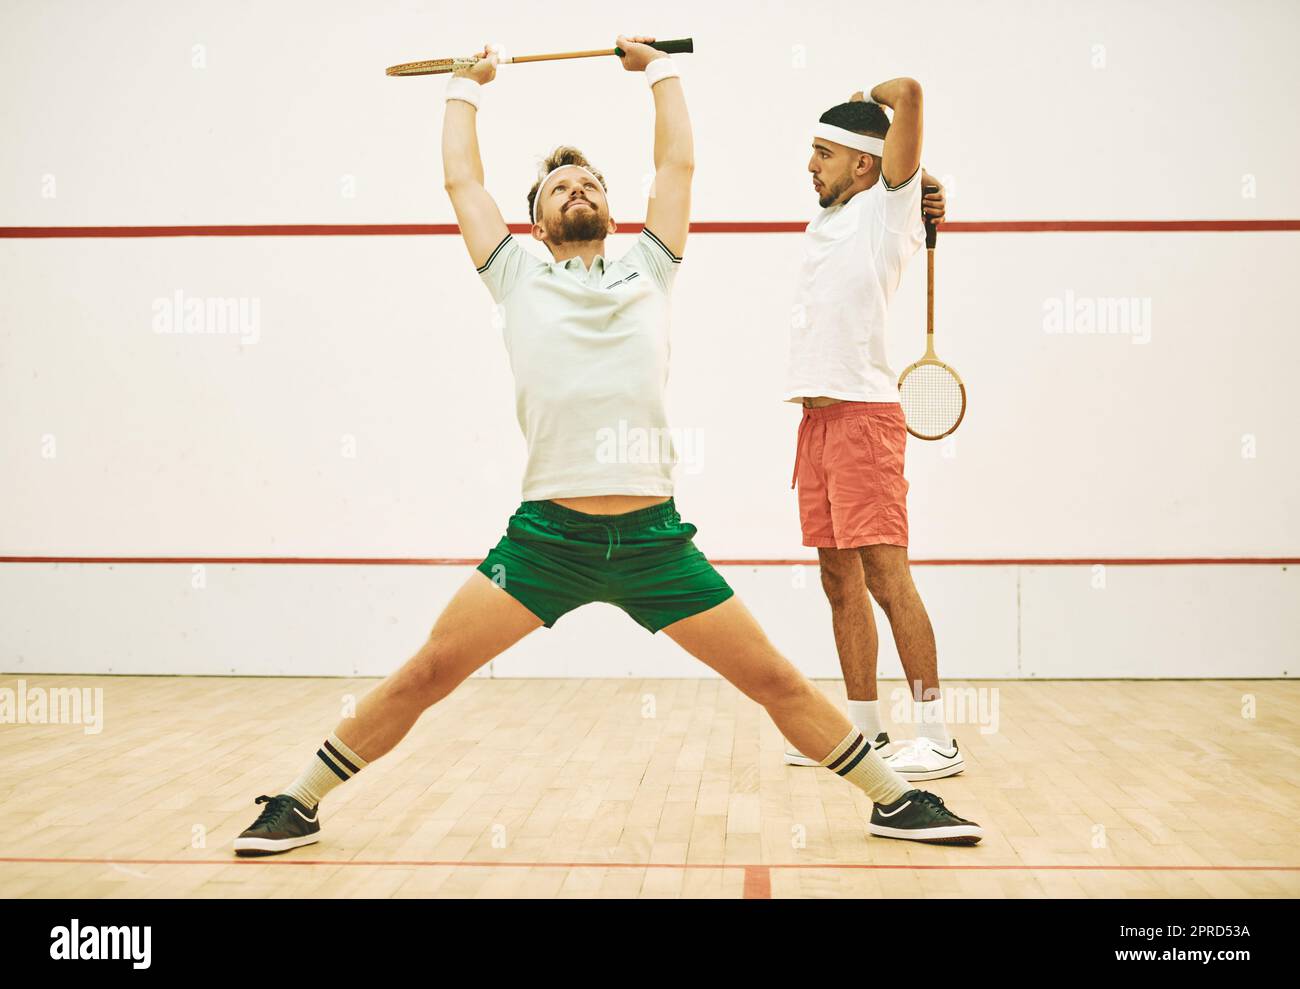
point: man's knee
(841, 578)
(428, 675)
(780, 683)
(888, 577)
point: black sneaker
(921, 816)
(793, 757)
(283, 824)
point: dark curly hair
(858, 116)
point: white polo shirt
(589, 352)
(853, 260)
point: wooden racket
(932, 394)
(441, 65)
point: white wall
(1075, 445)
(990, 622)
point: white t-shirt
(589, 352)
(854, 254)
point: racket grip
(680, 46)
(931, 228)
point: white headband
(859, 142)
(547, 177)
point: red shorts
(849, 467)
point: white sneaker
(923, 758)
(793, 757)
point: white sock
(930, 723)
(334, 763)
(861, 765)
(865, 716)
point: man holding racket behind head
(867, 173)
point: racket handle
(681, 46)
(931, 228)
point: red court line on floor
(437, 863)
(451, 561)
(758, 882)
(703, 227)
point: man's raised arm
(903, 141)
(669, 213)
(481, 223)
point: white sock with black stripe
(861, 765)
(333, 763)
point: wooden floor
(546, 788)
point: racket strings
(933, 400)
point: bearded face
(577, 220)
(829, 194)
(832, 169)
(573, 208)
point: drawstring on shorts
(613, 535)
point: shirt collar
(575, 264)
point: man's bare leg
(728, 639)
(851, 578)
(852, 620)
(933, 754)
(889, 579)
(479, 622)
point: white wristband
(463, 88)
(660, 69)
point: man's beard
(833, 193)
(576, 226)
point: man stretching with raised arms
(588, 343)
(866, 172)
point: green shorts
(553, 559)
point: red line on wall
(1033, 226)
(704, 227)
(469, 561)
(247, 230)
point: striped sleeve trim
(895, 188)
(493, 256)
(664, 247)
